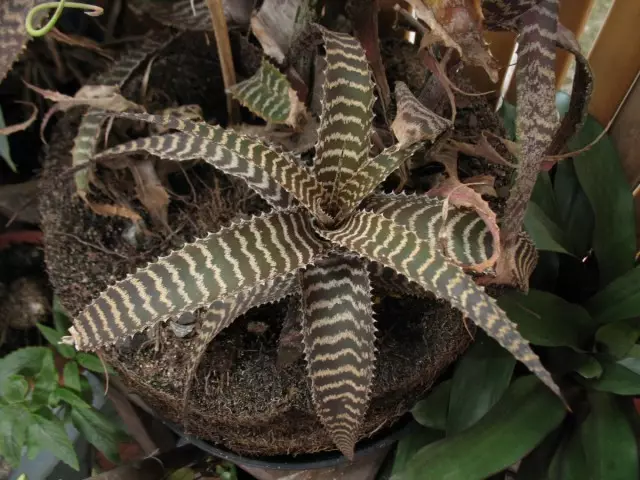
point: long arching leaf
(84, 144)
(382, 240)
(183, 147)
(345, 123)
(224, 311)
(339, 340)
(289, 174)
(211, 268)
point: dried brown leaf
(150, 190)
(18, 127)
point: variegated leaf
(390, 282)
(84, 144)
(217, 266)
(224, 311)
(498, 12)
(379, 239)
(182, 147)
(182, 14)
(414, 124)
(13, 34)
(291, 176)
(464, 238)
(345, 122)
(339, 340)
(269, 95)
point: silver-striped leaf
(345, 122)
(217, 266)
(183, 147)
(379, 239)
(291, 176)
(339, 335)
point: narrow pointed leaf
(86, 140)
(391, 282)
(345, 123)
(608, 440)
(211, 268)
(223, 312)
(380, 239)
(513, 427)
(339, 335)
(13, 34)
(182, 147)
(269, 95)
(546, 234)
(294, 178)
(481, 377)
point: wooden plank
(615, 58)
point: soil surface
(241, 398)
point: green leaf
(608, 441)
(92, 362)
(546, 234)
(5, 150)
(618, 338)
(481, 377)
(548, 320)
(544, 197)
(591, 368)
(98, 431)
(514, 426)
(575, 212)
(508, 114)
(54, 337)
(69, 397)
(71, 376)
(432, 411)
(535, 465)
(15, 388)
(409, 445)
(60, 317)
(46, 381)
(48, 435)
(183, 473)
(13, 432)
(569, 462)
(604, 183)
(616, 378)
(619, 300)
(27, 360)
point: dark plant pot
(312, 461)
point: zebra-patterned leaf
(414, 124)
(224, 311)
(13, 34)
(379, 239)
(217, 266)
(182, 14)
(390, 282)
(295, 179)
(464, 238)
(339, 340)
(345, 122)
(499, 12)
(269, 95)
(84, 144)
(182, 147)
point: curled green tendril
(91, 10)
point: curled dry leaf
(457, 24)
(482, 149)
(18, 127)
(463, 195)
(150, 190)
(277, 23)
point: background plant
(583, 314)
(42, 389)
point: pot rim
(305, 461)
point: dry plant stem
(224, 54)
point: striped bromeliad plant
(327, 231)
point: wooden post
(615, 58)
